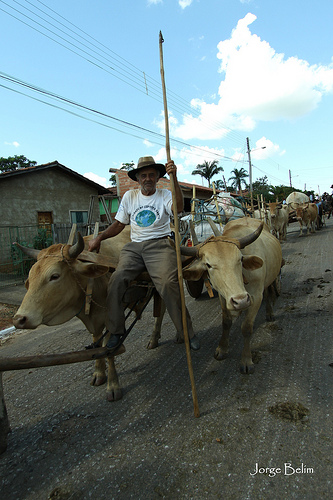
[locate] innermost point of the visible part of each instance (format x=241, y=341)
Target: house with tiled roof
x=49, y=193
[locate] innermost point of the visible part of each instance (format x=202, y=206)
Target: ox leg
x=269, y=296
x=156, y=335
x=246, y=364
x=222, y=349
x=113, y=392
x=99, y=376
x=301, y=229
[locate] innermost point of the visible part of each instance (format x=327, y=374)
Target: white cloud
x=96, y=178
x=154, y=2
x=14, y=143
x=259, y=84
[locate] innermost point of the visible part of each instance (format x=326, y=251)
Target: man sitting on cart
x=148, y=211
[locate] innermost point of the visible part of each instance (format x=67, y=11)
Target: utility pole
x=250, y=172
x=250, y=164
x=290, y=178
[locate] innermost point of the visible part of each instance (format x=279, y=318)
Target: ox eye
x=208, y=265
x=55, y=277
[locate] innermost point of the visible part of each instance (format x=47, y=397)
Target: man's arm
x=172, y=170
x=115, y=228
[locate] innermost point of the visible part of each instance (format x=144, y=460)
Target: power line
x=175, y=102
x=108, y=61
x=120, y=122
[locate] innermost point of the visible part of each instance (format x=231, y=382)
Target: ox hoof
x=247, y=368
x=98, y=380
x=152, y=344
x=220, y=355
x=114, y=394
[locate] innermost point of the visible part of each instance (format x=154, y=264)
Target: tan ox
x=56, y=293
x=307, y=214
x=241, y=264
x=279, y=220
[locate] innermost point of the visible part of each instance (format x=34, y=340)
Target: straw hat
x=144, y=162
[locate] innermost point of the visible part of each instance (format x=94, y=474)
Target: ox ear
x=90, y=270
x=252, y=262
x=194, y=271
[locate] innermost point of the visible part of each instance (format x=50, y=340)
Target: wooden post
x=177, y=238
x=259, y=207
x=90, y=281
x=193, y=204
x=217, y=207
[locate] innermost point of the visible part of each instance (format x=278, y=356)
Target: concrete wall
x=51, y=190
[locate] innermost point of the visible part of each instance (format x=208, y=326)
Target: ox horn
x=189, y=251
x=193, y=234
x=31, y=252
x=214, y=227
x=75, y=250
x=250, y=238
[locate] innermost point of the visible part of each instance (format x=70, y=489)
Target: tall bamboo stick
x=177, y=238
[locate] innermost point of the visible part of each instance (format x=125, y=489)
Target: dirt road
x=267, y=435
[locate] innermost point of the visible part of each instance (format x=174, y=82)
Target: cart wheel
x=194, y=288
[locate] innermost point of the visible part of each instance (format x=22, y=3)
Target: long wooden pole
x=177, y=238
x=217, y=207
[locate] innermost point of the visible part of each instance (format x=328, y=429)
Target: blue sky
x=233, y=69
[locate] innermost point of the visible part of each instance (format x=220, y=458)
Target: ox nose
x=240, y=302
x=19, y=321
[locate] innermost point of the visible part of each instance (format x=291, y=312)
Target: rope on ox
x=177, y=238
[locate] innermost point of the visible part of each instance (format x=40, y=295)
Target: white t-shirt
x=149, y=216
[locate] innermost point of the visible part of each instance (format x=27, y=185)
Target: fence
x=14, y=264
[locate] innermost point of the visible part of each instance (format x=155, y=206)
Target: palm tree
x=238, y=178
x=207, y=170
x=219, y=184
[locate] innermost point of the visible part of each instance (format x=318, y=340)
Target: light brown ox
x=242, y=264
x=279, y=220
x=56, y=293
x=307, y=214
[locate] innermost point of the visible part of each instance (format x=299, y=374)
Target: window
x=79, y=216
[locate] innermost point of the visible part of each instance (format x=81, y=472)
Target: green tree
x=281, y=192
x=124, y=166
x=238, y=178
x=261, y=187
x=207, y=170
x=219, y=184
x=15, y=163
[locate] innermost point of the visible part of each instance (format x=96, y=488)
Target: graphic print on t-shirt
x=146, y=215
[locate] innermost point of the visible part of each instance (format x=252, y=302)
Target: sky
x=80, y=83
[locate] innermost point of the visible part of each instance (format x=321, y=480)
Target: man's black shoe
x=113, y=341
x=195, y=343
